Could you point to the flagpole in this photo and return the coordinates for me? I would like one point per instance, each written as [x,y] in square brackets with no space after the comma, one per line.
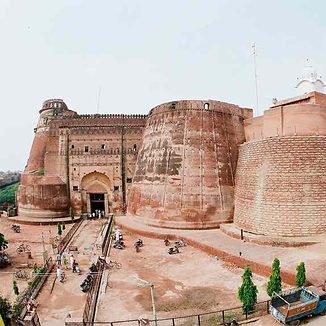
[256,78]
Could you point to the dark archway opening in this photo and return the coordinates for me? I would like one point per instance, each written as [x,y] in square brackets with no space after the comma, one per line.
[97,203]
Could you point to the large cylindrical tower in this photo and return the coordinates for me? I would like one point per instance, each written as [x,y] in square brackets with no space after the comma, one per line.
[281,175]
[185,170]
[43,194]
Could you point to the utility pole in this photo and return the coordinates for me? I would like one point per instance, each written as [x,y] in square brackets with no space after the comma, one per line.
[98,100]
[153,304]
[151,285]
[256,78]
[44,260]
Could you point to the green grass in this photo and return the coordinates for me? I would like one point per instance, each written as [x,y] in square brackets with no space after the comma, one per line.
[7,194]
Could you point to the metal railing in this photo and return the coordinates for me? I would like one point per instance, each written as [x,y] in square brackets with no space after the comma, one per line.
[67,238]
[92,294]
[221,317]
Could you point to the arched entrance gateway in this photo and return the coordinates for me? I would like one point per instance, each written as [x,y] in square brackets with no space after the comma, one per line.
[96,193]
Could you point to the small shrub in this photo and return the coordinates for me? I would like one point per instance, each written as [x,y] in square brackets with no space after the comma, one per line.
[15,288]
[3,242]
[301,275]
[5,308]
[71,213]
[247,292]
[59,229]
[275,281]
[17,309]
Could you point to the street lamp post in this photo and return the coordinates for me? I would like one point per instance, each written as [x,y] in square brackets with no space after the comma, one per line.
[151,285]
[153,304]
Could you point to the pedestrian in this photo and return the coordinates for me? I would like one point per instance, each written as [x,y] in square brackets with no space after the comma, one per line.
[72,260]
[64,262]
[77,269]
[58,257]
[59,274]
[74,270]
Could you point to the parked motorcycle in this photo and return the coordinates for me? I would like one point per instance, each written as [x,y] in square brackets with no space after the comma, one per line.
[139,243]
[87,283]
[119,245]
[173,250]
[93,269]
[15,228]
[167,242]
[180,243]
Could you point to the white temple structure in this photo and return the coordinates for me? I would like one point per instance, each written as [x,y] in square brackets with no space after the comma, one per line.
[309,81]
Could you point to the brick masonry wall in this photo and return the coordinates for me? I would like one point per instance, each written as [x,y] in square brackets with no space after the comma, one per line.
[185,169]
[281,186]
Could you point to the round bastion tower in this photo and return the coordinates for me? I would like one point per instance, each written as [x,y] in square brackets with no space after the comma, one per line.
[184,175]
[42,194]
[281,175]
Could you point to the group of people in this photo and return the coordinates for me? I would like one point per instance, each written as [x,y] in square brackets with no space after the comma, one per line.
[62,262]
[97,214]
[31,305]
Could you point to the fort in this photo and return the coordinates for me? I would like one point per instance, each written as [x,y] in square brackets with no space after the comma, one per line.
[188,164]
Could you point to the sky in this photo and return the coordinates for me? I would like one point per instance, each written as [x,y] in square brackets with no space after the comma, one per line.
[141,53]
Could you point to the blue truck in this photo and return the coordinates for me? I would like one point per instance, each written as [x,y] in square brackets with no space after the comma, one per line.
[289,306]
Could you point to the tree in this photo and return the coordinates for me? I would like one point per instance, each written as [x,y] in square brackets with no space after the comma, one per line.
[59,229]
[3,242]
[15,288]
[300,279]
[5,308]
[275,281]
[71,213]
[247,292]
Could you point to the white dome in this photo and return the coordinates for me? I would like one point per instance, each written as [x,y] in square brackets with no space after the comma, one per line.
[309,80]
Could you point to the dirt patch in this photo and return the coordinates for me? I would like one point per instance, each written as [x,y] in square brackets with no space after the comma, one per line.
[195,298]
[187,283]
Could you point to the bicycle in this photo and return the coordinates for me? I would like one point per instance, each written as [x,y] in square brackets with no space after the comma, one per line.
[21,274]
[23,248]
[111,264]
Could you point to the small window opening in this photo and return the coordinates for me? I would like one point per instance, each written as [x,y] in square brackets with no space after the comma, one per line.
[116,188]
[75,188]
[72,146]
[173,105]
[129,180]
[86,149]
[103,146]
[206,106]
[134,148]
[74,169]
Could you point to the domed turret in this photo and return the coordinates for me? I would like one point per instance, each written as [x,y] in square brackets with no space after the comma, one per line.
[309,81]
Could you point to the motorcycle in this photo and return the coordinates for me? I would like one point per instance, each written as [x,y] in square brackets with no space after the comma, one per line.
[180,243]
[87,283]
[102,260]
[173,250]
[93,269]
[15,228]
[167,242]
[139,243]
[119,245]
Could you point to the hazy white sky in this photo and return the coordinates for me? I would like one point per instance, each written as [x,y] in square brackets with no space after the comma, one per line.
[143,53]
